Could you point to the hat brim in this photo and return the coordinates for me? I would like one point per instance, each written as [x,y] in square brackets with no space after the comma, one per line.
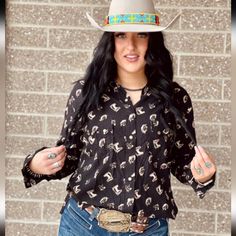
[130,27]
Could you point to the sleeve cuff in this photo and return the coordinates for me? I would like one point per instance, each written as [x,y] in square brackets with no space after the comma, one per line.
[31,178]
[204,184]
[202,188]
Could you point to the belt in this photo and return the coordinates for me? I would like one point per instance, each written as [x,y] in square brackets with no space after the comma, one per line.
[116,221]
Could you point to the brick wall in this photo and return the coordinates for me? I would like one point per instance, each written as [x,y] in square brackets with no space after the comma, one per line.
[49,44]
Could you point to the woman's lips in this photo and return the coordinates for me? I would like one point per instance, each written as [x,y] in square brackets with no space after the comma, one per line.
[132,58]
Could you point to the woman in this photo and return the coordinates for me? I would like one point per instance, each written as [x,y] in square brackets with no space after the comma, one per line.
[127,127]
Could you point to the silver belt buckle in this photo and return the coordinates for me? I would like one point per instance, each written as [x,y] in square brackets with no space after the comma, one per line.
[114,221]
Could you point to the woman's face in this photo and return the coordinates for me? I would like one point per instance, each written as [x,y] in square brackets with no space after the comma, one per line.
[130,51]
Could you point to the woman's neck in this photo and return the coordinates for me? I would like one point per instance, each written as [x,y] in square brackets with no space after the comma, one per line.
[132,81]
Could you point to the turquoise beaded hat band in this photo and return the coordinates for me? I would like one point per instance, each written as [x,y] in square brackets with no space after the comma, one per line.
[131,16]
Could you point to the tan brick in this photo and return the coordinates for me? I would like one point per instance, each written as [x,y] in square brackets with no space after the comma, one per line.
[212,111]
[31,103]
[25,81]
[205,66]
[54,230]
[64,80]
[56,104]
[24,124]
[175,65]
[23,210]
[191,3]
[207,134]
[224,179]
[226,135]
[172,3]
[227,89]
[51,210]
[194,222]
[80,39]
[26,145]
[26,37]
[195,42]
[54,190]
[27,103]
[35,1]
[187,199]
[47,60]
[47,15]
[54,125]
[228,44]
[202,88]
[176,183]
[27,229]
[224,223]
[222,155]
[92,2]
[190,234]
[209,20]
[13,167]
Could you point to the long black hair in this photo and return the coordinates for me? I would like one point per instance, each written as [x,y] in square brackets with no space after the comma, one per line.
[103,69]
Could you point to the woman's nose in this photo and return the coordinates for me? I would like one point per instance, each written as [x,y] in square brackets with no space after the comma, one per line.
[131,43]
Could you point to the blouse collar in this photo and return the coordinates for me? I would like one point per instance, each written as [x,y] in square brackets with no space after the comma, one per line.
[117,88]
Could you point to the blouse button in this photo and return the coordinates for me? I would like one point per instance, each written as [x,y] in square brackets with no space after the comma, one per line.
[131,137]
[129,178]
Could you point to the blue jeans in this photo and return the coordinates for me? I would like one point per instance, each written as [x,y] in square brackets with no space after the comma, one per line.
[75,222]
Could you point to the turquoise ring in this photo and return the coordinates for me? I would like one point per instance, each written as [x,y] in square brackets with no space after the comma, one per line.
[208,165]
[199,171]
[52,155]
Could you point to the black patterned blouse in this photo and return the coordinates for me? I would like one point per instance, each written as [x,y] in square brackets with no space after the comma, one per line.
[123,157]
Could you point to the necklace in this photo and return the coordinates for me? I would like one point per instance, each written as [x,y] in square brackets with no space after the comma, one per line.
[132,90]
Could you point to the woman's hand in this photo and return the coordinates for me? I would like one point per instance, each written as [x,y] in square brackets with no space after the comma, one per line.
[203,165]
[48,161]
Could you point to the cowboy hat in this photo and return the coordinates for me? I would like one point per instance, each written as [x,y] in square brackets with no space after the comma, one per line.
[131,16]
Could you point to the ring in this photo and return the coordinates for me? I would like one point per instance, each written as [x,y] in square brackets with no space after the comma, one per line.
[56,165]
[208,165]
[52,155]
[199,171]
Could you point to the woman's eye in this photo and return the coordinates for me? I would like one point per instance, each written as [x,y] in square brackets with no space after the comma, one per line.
[120,35]
[142,35]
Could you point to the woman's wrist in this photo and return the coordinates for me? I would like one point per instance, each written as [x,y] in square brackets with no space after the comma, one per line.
[204,183]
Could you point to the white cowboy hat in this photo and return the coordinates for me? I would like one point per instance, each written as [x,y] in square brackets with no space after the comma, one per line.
[131,16]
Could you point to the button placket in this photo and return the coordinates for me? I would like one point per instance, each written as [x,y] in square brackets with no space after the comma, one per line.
[131,157]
